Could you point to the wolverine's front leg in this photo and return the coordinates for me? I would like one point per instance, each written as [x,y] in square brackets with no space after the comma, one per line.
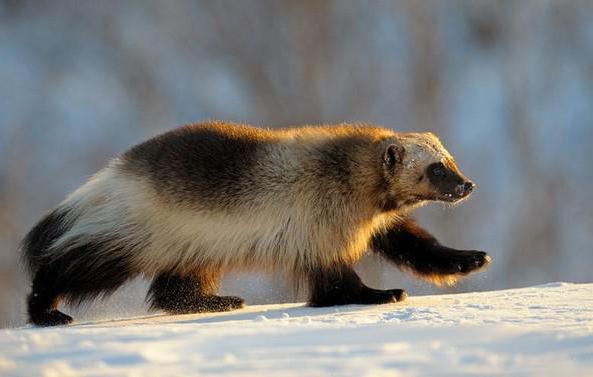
[410,247]
[342,286]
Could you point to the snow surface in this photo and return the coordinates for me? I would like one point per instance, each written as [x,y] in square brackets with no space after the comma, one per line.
[540,331]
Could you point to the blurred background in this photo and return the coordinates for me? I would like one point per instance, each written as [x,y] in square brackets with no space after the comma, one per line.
[508,86]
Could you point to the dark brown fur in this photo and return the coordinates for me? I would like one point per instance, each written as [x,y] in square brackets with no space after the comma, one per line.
[201,162]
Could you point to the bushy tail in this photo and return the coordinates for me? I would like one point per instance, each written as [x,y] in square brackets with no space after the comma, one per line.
[36,244]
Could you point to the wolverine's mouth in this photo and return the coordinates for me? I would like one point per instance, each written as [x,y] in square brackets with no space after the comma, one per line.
[450,198]
[460,192]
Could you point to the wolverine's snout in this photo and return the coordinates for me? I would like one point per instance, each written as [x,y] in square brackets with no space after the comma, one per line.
[449,184]
[464,189]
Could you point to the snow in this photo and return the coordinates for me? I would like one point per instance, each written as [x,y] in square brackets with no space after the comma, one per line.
[544,331]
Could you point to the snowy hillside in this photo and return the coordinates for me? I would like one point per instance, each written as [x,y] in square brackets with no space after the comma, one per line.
[544,330]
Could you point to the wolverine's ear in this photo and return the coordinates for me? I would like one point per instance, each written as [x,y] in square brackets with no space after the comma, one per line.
[394,155]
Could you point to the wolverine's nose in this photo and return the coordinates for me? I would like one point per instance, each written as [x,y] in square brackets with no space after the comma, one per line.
[464,189]
[469,186]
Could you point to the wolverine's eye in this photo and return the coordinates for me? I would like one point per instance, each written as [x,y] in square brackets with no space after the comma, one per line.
[438,170]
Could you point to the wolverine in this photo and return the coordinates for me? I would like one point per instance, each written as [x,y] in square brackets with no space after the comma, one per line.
[189,205]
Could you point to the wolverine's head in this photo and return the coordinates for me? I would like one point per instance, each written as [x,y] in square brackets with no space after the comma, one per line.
[417,168]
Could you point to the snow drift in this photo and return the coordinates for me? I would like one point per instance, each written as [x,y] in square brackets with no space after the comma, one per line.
[543,330]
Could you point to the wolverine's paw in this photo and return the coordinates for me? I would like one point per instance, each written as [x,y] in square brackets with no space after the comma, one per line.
[460,262]
[377,296]
[362,296]
[228,303]
[399,294]
[471,260]
[451,265]
[209,304]
[51,318]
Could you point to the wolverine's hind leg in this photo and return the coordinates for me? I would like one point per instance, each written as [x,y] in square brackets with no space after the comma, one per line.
[342,286]
[82,273]
[184,294]
[43,301]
